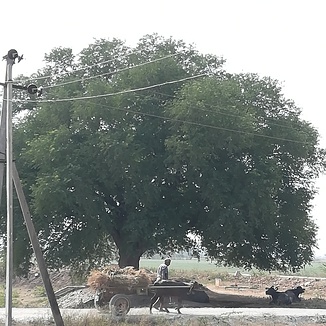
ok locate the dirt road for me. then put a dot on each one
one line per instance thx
(247, 316)
(29, 314)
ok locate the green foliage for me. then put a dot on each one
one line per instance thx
(79, 275)
(2, 265)
(39, 291)
(226, 158)
(252, 185)
(2, 296)
(15, 297)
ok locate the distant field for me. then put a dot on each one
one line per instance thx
(316, 269)
(184, 264)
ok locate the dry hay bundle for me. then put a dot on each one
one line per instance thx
(127, 278)
(97, 280)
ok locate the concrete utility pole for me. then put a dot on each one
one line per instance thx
(12, 55)
(12, 176)
(3, 136)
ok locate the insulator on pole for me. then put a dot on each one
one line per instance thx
(32, 89)
(12, 54)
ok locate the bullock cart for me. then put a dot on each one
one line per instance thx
(119, 300)
(115, 289)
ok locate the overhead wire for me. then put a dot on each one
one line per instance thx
(109, 73)
(158, 116)
(78, 70)
(151, 87)
(112, 94)
(142, 64)
(229, 114)
(202, 125)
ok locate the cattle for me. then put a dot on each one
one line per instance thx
(168, 289)
(280, 298)
(297, 291)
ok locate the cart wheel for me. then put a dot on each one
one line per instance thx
(119, 305)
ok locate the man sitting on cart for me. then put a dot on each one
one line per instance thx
(163, 271)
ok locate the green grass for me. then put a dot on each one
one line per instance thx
(2, 297)
(3, 294)
(39, 291)
(189, 264)
(316, 269)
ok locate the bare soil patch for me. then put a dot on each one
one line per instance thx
(249, 291)
(29, 291)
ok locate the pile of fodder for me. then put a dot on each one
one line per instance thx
(127, 278)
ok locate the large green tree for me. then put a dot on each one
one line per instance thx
(223, 160)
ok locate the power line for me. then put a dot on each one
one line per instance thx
(109, 73)
(127, 68)
(99, 75)
(113, 94)
(77, 70)
(166, 118)
(228, 114)
(158, 116)
(205, 125)
(142, 64)
(127, 91)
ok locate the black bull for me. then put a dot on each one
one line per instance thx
(167, 289)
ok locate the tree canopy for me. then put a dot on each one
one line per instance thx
(156, 148)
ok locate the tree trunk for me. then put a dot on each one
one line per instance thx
(129, 252)
(129, 257)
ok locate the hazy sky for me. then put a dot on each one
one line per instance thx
(282, 39)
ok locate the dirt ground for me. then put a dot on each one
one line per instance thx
(235, 292)
(29, 292)
(249, 292)
(231, 292)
